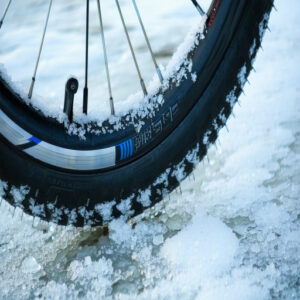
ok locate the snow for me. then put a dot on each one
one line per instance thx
(233, 233)
(207, 241)
(105, 210)
(125, 207)
(144, 197)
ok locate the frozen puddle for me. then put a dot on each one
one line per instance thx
(233, 233)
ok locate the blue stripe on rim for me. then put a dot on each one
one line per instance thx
(126, 149)
(131, 147)
(121, 149)
(35, 140)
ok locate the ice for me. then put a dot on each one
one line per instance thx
(95, 275)
(30, 265)
(158, 240)
(233, 233)
(205, 246)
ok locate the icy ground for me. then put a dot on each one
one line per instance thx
(234, 233)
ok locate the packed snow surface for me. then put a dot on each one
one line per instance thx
(233, 233)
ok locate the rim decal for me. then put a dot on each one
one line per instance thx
(34, 140)
(57, 156)
(124, 150)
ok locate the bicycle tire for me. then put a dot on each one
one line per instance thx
(189, 119)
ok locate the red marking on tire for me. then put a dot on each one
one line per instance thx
(213, 14)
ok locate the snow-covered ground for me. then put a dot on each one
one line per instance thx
(233, 233)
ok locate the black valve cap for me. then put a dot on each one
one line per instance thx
(72, 85)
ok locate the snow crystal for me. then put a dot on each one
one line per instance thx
(179, 172)
(19, 194)
(72, 216)
(242, 76)
(105, 210)
(144, 197)
(192, 156)
(95, 275)
(56, 213)
(163, 178)
(125, 207)
(262, 25)
(194, 77)
(252, 49)
(120, 231)
(86, 214)
(37, 210)
(206, 137)
(231, 99)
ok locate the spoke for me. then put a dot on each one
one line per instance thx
(5, 12)
(131, 49)
(40, 51)
(200, 10)
(148, 42)
(112, 108)
(85, 90)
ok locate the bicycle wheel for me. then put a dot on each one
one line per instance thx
(88, 173)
